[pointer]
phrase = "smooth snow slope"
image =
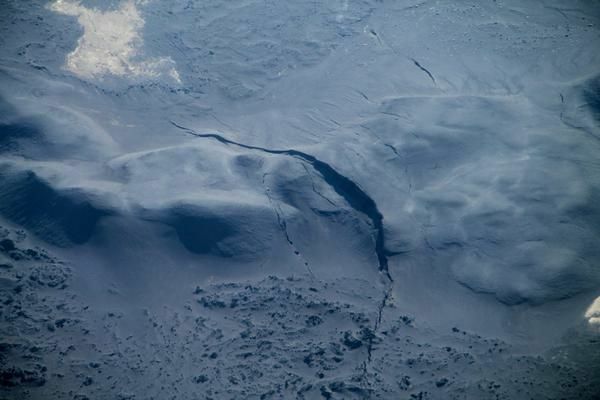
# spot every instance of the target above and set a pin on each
(299, 199)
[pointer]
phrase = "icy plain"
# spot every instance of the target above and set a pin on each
(258, 199)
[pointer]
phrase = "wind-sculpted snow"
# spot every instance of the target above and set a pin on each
(299, 199)
(492, 187)
(59, 218)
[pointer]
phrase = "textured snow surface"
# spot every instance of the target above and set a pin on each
(299, 199)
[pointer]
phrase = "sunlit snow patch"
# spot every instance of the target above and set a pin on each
(593, 313)
(111, 43)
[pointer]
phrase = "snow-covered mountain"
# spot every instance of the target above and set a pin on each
(299, 199)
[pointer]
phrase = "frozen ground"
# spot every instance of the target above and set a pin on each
(299, 199)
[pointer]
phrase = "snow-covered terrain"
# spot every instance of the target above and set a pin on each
(260, 199)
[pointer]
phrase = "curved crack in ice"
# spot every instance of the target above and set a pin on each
(356, 198)
(346, 188)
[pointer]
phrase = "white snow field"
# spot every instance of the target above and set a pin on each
(263, 199)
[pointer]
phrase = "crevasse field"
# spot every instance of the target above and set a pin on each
(301, 199)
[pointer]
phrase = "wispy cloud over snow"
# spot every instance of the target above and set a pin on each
(111, 43)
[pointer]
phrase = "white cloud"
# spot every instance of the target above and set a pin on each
(593, 312)
(111, 43)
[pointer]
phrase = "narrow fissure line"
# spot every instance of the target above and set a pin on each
(314, 188)
(401, 157)
(417, 64)
(283, 225)
(422, 68)
(373, 334)
(280, 219)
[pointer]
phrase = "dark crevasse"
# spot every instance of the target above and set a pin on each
(343, 186)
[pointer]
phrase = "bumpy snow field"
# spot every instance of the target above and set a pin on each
(265, 199)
